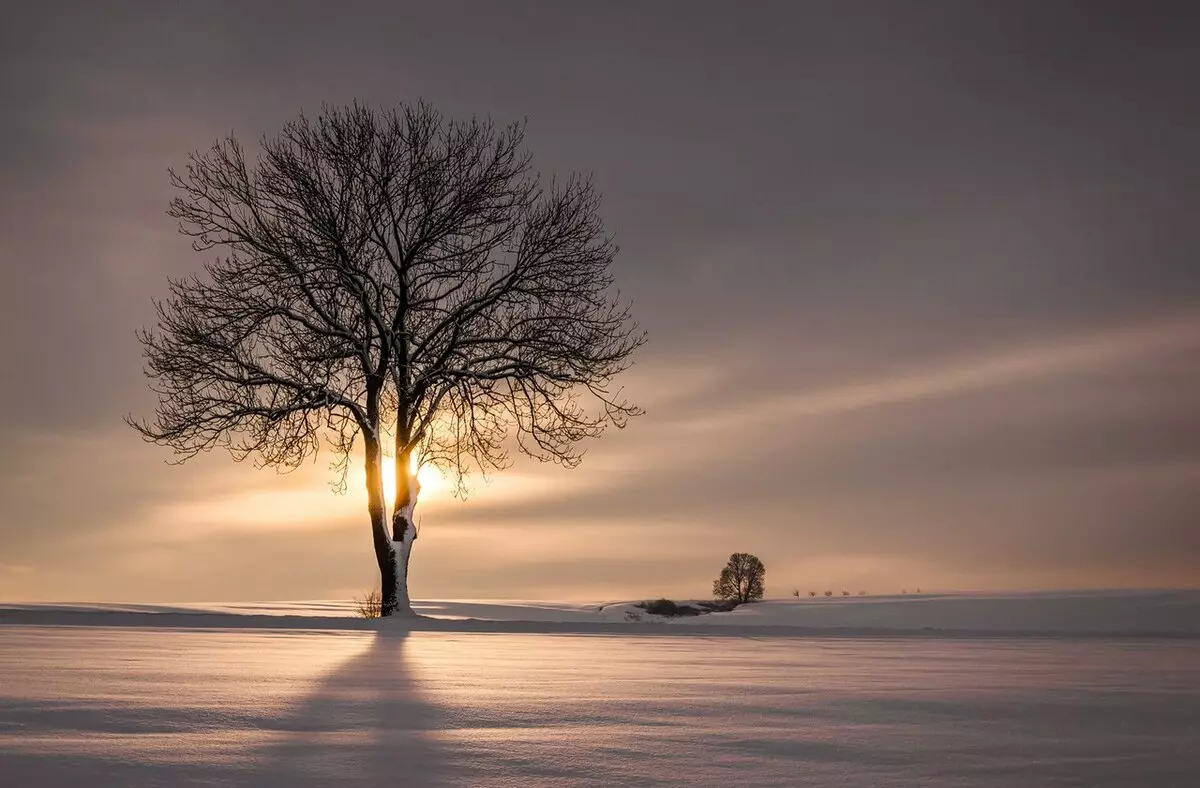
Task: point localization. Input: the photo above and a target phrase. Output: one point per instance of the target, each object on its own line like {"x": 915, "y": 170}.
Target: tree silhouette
{"x": 392, "y": 276}
{"x": 741, "y": 580}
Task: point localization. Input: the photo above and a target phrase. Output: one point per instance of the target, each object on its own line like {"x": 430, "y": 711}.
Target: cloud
{"x": 16, "y": 569}
{"x": 921, "y": 300}
{"x": 1066, "y": 357}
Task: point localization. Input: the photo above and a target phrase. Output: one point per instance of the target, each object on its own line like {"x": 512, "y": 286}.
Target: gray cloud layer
{"x": 921, "y": 282}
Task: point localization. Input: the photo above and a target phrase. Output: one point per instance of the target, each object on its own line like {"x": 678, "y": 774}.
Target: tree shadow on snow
{"x": 364, "y": 724}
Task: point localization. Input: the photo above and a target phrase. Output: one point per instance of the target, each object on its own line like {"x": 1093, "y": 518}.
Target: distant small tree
{"x": 741, "y": 580}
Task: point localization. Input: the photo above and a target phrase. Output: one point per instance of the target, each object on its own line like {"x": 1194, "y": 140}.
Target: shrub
{"x": 369, "y": 605}
{"x": 723, "y": 606}
{"x": 741, "y": 580}
{"x": 666, "y": 607}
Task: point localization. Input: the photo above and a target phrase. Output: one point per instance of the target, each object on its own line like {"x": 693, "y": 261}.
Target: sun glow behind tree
{"x": 433, "y": 482}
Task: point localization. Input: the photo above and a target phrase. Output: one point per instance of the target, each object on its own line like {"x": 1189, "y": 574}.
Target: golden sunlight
{"x": 431, "y": 479}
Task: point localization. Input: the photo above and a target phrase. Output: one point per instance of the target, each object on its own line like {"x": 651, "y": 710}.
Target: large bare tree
{"x": 395, "y": 277}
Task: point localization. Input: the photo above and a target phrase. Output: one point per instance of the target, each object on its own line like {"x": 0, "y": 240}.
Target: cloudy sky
{"x": 920, "y": 279}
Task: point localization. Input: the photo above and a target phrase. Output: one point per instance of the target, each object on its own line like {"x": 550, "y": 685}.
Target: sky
{"x": 920, "y": 282}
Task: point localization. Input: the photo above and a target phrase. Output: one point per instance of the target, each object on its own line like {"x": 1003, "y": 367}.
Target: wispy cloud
{"x": 1065, "y": 357}
{"x": 16, "y": 569}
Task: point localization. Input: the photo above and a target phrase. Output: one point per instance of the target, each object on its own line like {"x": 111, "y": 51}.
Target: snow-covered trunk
{"x": 385, "y": 555}
{"x": 404, "y": 532}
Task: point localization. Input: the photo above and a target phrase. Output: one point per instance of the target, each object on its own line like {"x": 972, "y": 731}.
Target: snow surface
{"x": 1172, "y": 613}
{"x": 558, "y": 694}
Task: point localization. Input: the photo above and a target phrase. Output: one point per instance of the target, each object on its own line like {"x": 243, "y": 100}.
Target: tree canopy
{"x": 741, "y": 580}
{"x": 397, "y": 278}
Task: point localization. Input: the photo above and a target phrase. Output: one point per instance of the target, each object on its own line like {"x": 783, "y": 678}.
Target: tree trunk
{"x": 403, "y": 534}
{"x": 384, "y": 554}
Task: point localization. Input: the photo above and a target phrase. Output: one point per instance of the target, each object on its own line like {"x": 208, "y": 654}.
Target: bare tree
{"x": 741, "y": 580}
{"x": 392, "y": 276}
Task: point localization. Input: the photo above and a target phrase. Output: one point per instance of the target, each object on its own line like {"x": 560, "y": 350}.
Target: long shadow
{"x": 364, "y": 724}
